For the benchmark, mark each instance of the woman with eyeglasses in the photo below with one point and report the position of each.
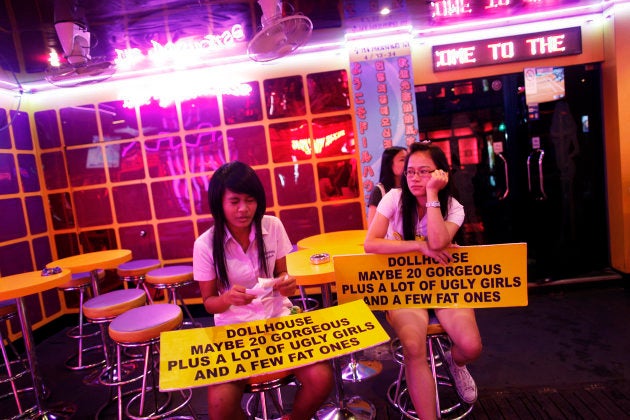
(423, 216)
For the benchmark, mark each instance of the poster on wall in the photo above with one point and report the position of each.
(385, 104)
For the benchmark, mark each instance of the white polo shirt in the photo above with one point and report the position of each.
(390, 207)
(242, 269)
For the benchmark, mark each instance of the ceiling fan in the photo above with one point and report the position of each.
(75, 39)
(282, 32)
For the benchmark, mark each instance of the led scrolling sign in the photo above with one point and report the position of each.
(522, 47)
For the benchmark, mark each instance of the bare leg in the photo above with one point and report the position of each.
(461, 326)
(411, 327)
(224, 401)
(317, 382)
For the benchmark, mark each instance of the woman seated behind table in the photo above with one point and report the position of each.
(243, 245)
(422, 216)
(392, 164)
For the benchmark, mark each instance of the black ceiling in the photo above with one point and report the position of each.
(27, 29)
(27, 26)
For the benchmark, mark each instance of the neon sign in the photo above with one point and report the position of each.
(523, 47)
(180, 90)
(319, 143)
(183, 51)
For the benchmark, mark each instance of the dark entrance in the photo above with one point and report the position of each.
(527, 173)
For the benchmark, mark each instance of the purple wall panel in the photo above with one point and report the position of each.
(165, 157)
(15, 259)
(21, 130)
(295, 184)
(131, 165)
(204, 224)
(199, 186)
(347, 216)
(8, 176)
(85, 166)
(52, 304)
(43, 254)
(33, 308)
(176, 239)
(54, 168)
(28, 173)
(60, 206)
(205, 151)
(131, 203)
(13, 223)
(36, 215)
(300, 223)
(157, 120)
(171, 199)
(78, 124)
(248, 145)
(47, 129)
(5, 138)
(265, 178)
(67, 244)
(140, 240)
(92, 207)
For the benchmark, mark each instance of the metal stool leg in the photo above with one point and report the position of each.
(78, 333)
(178, 300)
(12, 377)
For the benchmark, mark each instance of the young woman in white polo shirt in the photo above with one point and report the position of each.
(243, 246)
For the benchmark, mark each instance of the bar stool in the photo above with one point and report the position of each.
(81, 282)
(448, 403)
(101, 310)
(172, 278)
(134, 271)
(305, 302)
(140, 328)
(260, 387)
(8, 310)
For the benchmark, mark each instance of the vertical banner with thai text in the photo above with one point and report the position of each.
(384, 100)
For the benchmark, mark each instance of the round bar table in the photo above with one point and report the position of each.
(92, 262)
(323, 275)
(17, 287)
(338, 238)
(355, 370)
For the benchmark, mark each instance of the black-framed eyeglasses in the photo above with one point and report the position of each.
(420, 172)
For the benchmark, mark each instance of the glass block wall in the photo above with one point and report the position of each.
(97, 175)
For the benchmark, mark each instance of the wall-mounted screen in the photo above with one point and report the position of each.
(544, 84)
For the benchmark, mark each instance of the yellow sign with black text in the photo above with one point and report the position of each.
(483, 276)
(204, 356)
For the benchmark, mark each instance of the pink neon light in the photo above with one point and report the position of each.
(183, 52)
(166, 94)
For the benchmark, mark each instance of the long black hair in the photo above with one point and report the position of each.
(387, 176)
(409, 203)
(241, 179)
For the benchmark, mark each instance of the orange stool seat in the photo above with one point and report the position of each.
(145, 323)
(261, 386)
(173, 275)
(136, 268)
(141, 327)
(111, 304)
(172, 278)
(135, 271)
